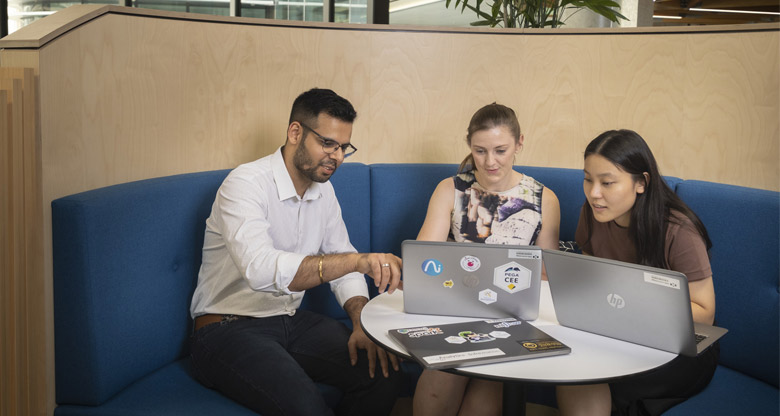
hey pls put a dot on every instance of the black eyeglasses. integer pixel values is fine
(329, 145)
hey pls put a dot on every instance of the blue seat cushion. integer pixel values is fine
(743, 225)
(172, 390)
(731, 393)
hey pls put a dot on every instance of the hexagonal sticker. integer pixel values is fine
(488, 296)
(512, 277)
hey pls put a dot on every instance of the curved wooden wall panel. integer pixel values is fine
(126, 94)
(158, 95)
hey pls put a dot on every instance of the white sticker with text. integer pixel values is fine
(662, 280)
(523, 254)
(443, 358)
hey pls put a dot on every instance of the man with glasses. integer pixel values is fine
(274, 231)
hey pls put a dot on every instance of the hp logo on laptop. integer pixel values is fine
(616, 301)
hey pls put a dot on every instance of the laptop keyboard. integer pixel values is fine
(700, 338)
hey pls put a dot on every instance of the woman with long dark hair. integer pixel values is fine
(487, 202)
(632, 215)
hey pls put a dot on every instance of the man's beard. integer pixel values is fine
(308, 168)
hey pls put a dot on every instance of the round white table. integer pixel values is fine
(593, 358)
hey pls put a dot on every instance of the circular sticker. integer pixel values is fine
(432, 267)
(470, 263)
(470, 280)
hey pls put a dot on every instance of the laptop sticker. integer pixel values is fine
(470, 263)
(452, 339)
(524, 254)
(512, 277)
(449, 284)
(470, 280)
(488, 296)
(456, 356)
(500, 334)
(542, 345)
(662, 280)
(475, 336)
(420, 331)
(432, 267)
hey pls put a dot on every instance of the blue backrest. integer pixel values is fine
(120, 316)
(743, 224)
(567, 185)
(400, 194)
(399, 200)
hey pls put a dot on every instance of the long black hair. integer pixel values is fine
(652, 211)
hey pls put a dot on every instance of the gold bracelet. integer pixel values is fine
(322, 256)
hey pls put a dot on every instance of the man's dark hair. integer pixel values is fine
(308, 106)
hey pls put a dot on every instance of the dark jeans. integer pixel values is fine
(270, 365)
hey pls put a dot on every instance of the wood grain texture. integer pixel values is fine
(164, 96)
(127, 94)
(22, 373)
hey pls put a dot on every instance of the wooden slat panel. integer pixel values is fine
(36, 295)
(8, 392)
(23, 378)
(13, 284)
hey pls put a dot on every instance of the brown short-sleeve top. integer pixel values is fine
(685, 249)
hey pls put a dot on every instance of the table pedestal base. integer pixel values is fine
(513, 400)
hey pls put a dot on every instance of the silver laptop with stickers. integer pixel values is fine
(639, 304)
(471, 279)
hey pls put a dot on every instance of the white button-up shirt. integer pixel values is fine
(258, 233)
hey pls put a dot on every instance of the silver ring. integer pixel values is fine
(386, 265)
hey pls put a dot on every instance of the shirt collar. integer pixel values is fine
(284, 183)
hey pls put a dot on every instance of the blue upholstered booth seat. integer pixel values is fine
(731, 393)
(168, 391)
(126, 260)
(743, 224)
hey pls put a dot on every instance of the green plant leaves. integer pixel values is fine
(534, 13)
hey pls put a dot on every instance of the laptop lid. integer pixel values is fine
(471, 279)
(639, 304)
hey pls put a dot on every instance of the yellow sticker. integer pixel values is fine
(542, 345)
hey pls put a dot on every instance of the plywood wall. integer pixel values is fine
(126, 94)
(136, 96)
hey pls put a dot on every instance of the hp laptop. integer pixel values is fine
(471, 279)
(639, 304)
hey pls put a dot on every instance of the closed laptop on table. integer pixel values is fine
(471, 279)
(639, 304)
(476, 342)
